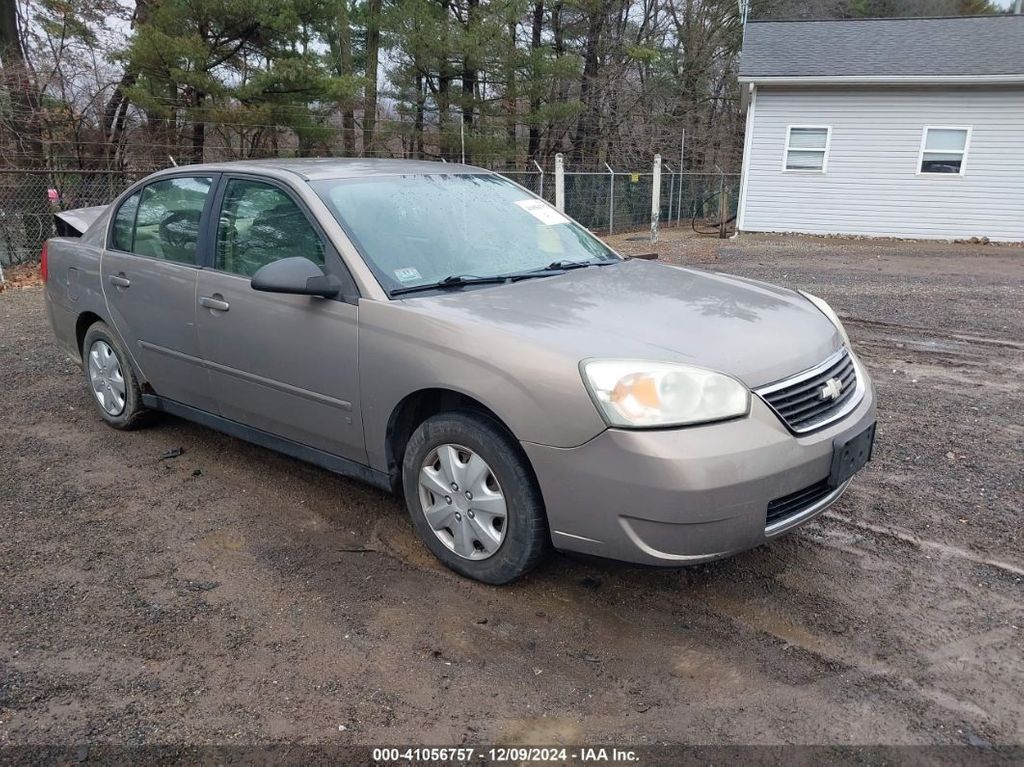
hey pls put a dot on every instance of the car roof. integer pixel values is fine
(313, 168)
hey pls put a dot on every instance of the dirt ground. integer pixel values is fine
(231, 595)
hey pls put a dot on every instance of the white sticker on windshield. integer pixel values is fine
(407, 274)
(543, 212)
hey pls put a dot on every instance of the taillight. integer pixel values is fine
(44, 270)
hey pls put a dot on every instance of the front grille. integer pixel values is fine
(802, 401)
(794, 503)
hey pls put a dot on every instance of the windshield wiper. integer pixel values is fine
(565, 265)
(452, 281)
(461, 280)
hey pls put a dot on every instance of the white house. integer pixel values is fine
(884, 127)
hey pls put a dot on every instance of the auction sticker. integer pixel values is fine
(543, 212)
(407, 274)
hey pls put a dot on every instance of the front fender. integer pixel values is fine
(536, 392)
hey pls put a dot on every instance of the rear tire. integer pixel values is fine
(111, 381)
(493, 527)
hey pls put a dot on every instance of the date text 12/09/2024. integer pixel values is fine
(517, 754)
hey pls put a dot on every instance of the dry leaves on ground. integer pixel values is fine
(20, 276)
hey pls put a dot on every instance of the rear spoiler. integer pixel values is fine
(74, 223)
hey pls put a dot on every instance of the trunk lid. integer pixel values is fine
(74, 223)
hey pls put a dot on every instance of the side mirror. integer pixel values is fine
(296, 275)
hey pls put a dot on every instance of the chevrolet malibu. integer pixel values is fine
(438, 331)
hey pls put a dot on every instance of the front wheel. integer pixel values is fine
(473, 498)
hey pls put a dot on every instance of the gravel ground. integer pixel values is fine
(231, 595)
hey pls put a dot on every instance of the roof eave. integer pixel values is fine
(883, 79)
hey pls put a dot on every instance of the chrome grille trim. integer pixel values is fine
(795, 502)
(794, 401)
(782, 524)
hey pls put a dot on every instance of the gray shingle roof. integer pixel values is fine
(976, 45)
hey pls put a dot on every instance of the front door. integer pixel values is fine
(283, 364)
(148, 272)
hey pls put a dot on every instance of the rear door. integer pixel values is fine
(148, 271)
(284, 364)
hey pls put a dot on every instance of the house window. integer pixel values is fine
(943, 150)
(807, 148)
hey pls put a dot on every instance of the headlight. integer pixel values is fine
(827, 310)
(637, 393)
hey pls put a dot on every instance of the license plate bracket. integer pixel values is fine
(850, 456)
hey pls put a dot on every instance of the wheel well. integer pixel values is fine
(417, 408)
(85, 320)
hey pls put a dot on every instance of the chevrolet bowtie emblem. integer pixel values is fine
(831, 390)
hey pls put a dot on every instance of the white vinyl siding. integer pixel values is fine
(873, 185)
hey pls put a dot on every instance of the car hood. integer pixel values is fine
(756, 332)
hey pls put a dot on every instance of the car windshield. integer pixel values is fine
(417, 230)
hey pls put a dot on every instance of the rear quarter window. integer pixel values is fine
(124, 223)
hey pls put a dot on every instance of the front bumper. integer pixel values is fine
(682, 496)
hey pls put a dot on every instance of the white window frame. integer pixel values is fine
(825, 151)
(963, 155)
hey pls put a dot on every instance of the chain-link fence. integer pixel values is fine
(616, 201)
(28, 200)
(707, 202)
(607, 203)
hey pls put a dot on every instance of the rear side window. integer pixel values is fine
(259, 224)
(124, 222)
(166, 220)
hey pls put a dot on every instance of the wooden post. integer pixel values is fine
(723, 208)
(611, 199)
(655, 198)
(671, 192)
(560, 182)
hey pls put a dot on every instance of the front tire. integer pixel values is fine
(473, 498)
(111, 380)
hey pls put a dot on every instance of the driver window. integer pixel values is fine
(259, 224)
(167, 222)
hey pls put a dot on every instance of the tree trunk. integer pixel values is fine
(444, 82)
(443, 95)
(587, 125)
(511, 94)
(198, 127)
(115, 114)
(536, 36)
(417, 129)
(559, 34)
(15, 75)
(469, 72)
(373, 8)
(562, 90)
(11, 52)
(341, 48)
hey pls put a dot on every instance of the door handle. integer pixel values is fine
(215, 302)
(119, 280)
